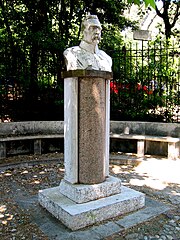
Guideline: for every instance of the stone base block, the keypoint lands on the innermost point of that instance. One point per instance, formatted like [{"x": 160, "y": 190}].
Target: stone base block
[
  {"x": 81, "y": 193},
  {"x": 76, "y": 216}
]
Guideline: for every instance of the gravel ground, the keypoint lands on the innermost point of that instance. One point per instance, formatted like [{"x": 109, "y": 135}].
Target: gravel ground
[{"x": 157, "y": 178}]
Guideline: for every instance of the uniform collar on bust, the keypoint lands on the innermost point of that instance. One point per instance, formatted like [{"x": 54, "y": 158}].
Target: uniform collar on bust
[{"x": 89, "y": 47}]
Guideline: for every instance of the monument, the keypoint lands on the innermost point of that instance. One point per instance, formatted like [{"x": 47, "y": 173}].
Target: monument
[{"x": 88, "y": 194}]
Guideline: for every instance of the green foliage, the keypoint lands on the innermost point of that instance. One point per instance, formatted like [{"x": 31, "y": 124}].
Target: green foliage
[
  {"x": 34, "y": 34},
  {"x": 34, "y": 28},
  {"x": 147, "y": 2},
  {"x": 168, "y": 11}
]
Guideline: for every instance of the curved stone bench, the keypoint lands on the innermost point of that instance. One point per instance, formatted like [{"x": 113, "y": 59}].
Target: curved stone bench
[
  {"x": 148, "y": 133},
  {"x": 144, "y": 133},
  {"x": 30, "y": 131}
]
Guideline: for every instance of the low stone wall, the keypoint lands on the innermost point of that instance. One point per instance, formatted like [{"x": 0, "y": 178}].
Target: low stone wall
[
  {"x": 143, "y": 128},
  {"x": 57, "y": 127},
  {"x": 31, "y": 128},
  {"x": 146, "y": 128}
]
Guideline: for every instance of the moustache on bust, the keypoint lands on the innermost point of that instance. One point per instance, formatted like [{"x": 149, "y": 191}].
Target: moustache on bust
[{"x": 96, "y": 37}]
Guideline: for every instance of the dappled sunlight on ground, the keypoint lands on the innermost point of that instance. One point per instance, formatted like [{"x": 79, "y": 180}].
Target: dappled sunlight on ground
[
  {"x": 154, "y": 173},
  {"x": 158, "y": 173},
  {"x": 158, "y": 179},
  {"x": 4, "y": 216}
]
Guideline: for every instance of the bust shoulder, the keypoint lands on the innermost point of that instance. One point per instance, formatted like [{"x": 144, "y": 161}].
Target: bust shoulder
[
  {"x": 74, "y": 58},
  {"x": 105, "y": 56},
  {"x": 72, "y": 50},
  {"x": 102, "y": 53}
]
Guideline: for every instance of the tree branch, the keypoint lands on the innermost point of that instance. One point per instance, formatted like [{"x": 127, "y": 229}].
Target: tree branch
[
  {"x": 177, "y": 14},
  {"x": 159, "y": 13}
]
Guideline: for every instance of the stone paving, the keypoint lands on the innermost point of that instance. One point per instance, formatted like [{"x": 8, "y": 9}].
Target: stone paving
[{"x": 21, "y": 216}]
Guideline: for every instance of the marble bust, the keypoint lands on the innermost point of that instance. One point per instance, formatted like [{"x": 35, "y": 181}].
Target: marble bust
[{"x": 87, "y": 55}]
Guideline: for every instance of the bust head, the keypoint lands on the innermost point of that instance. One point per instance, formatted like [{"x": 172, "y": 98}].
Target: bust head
[
  {"x": 87, "y": 55},
  {"x": 91, "y": 29}
]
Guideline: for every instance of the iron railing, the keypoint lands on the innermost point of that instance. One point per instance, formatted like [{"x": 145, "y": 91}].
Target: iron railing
[
  {"x": 145, "y": 86},
  {"x": 146, "y": 83}
]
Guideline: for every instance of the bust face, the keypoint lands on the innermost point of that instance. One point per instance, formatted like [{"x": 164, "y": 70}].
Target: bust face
[{"x": 92, "y": 31}]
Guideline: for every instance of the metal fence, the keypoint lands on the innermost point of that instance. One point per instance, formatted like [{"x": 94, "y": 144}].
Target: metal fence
[
  {"x": 30, "y": 90},
  {"x": 145, "y": 86}
]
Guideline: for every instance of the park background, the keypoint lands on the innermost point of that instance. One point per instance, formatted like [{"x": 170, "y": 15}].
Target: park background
[{"x": 34, "y": 34}]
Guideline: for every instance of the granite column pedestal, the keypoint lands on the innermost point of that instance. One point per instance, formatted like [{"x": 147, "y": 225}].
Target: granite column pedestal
[
  {"x": 86, "y": 126},
  {"x": 87, "y": 194}
]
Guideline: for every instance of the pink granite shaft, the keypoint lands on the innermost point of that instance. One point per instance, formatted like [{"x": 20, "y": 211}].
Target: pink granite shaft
[{"x": 92, "y": 122}]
